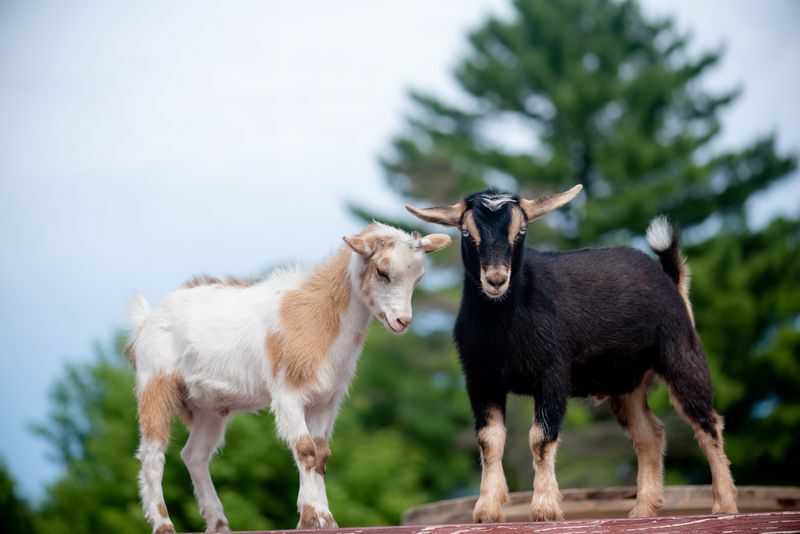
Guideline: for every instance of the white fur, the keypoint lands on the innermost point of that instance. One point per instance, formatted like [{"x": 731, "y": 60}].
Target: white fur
[
  {"x": 214, "y": 337},
  {"x": 659, "y": 234},
  {"x": 495, "y": 201}
]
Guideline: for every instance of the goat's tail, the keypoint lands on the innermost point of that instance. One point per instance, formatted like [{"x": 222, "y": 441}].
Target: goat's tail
[
  {"x": 664, "y": 240},
  {"x": 138, "y": 311}
]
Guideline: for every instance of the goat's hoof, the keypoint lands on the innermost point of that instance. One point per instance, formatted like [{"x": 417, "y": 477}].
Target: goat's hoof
[
  {"x": 220, "y": 525},
  {"x": 643, "y": 510},
  {"x": 310, "y": 518},
  {"x": 545, "y": 509},
  {"x": 488, "y": 511},
  {"x": 164, "y": 528},
  {"x": 725, "y": 507}
]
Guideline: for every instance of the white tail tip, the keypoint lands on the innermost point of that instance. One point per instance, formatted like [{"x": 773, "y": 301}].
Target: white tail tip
[
  {"x": 138, "y": 311},
  {"x": 659, "y": 234}
]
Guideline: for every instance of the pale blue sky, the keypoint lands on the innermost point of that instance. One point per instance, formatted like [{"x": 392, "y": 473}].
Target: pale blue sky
[{"x": 140, "y": 144}]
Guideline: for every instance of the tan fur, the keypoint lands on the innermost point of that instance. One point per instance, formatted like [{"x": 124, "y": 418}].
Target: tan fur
[
  {"x": 647, "y": 434},
  {"x": 546, "y": 495},
  {"x": 306, "y": 451},
  {"x": 162, "y": 510},
  {"x": 310, "y": 519},
  {"x": 130, "y": 352},
  {"x": 684, "y": 282},
  {"x": 384, "y": 262},
  {"x": 162, "y": 399},
  {"x": 722, "y": 487},
  {"x": 446, "y": 215},
  {"x": 517, "y": 222},
  {"x": 165, "y": 529},
  {"x": 436, "y": 242},
  {"x": 540, "y": 206},
  {"x": 323, "y": 453},
  {"x": 310, "y": 316},
  {"x": 207, "y": 280},
  {"x": 471, "y": 227},
  {"x": 221, "y": 524},
  {"x": 494, "y": 490}
]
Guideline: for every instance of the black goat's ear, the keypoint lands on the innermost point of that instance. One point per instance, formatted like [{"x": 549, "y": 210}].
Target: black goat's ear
[
  {"x": 444, "y": 215},
  {"x": 539, "y": 206}
]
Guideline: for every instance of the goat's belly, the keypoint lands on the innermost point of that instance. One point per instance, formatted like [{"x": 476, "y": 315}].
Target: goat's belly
[
  {"x": 226, "y": 386},
  {"x": 611, "y": 374}
]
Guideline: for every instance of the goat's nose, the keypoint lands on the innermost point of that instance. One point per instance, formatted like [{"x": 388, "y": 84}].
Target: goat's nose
[
  {"x": 404, "y": 321},
  {"x": 496, "y": 279}
]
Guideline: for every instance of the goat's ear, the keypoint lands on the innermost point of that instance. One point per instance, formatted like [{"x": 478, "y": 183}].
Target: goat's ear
[
  {"x": 444, "y": 215},
  {"x": 433, "y": 242},
  {"x": 539, "y": 206},
  {"x": 360, "y": 245}
]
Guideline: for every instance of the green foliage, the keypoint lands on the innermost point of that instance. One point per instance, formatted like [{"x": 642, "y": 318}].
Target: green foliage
[
  {"x": 15, "y": 513},
  {"x": 594, "y": 92}
]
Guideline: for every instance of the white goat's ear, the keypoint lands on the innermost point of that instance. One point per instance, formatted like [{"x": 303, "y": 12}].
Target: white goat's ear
[
  {"x": 444, "y": 215},
  {"x": 539, "y": 206},
  {"x": 433, "y": 242},
  {"x": 364, "y": 247}
]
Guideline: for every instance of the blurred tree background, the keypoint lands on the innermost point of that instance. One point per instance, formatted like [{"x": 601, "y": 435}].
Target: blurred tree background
[{"x": 576, "y": 91}]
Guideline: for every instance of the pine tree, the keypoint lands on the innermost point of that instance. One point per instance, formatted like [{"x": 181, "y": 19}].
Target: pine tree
[{"x": 597, "y": 93}]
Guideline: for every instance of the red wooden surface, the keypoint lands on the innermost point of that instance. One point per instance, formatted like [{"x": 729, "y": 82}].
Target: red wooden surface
[{"x": 754, "y": 522}]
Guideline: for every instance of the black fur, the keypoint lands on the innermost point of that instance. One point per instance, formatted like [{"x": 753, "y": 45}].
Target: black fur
[{"x": 577, "y": 323}]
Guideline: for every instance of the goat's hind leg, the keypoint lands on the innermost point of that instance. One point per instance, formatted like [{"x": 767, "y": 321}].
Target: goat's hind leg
[
  {"x": 159, "y": 400},
  {"x": 205, "y": 437},
  {"x": 691, "y": 393},
  {"x": 647, "y": 434}
]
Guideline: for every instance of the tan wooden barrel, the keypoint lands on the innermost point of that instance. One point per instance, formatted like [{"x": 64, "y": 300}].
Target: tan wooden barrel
[{"x": 589, "y": 503}]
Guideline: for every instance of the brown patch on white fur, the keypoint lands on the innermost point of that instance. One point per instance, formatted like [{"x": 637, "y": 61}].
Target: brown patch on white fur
[
  {"x": 162, "y": 510},
  {"x": 311, "y": 519},
  {"x": 471, "y": 227},
  {"x": 162, "y": 398},
  {"x": 323, "y": 453},
  {"x": 722, "y": 487},
  {"x": 165, "y": 529},
  {"x": 546, "y": 495},
  {"x": 518, "y": 222},
  {"x": 647, "y": 434},
  {"x": 306, "y": 451},
  {"x": 221, "y": 524},
  {"x": 311, "y": 316},
  {"x": 494, "y": 490},
  {"x": 207, "y": 280}
]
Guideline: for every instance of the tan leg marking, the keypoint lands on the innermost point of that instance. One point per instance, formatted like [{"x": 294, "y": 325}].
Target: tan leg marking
[
  {"x": 546, "y": 495},
  {"x": 311, "y": 519},
  {"x": 323, "y": 453},
  {"x": 494, "y": 490},
  {"x": 162, "y": 510},
  {"x": 306, "y": 452},
  {"x": 647, "y": 434},
  {"x": 162, "y": 399},
  {"x": 722, "y": 486},
  {"x": 221, "y": 525},
  {"x": 165, "y": 529}
]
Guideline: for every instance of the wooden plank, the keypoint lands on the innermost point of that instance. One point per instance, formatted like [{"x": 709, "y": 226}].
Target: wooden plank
[
  {"x": 755, "y": 522},
  {"x": 613, "y": 502}
]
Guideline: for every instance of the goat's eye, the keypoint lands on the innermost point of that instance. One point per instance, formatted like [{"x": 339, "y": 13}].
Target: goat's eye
[
  {"x": 522, "y": 231},
  {"x": 383, "y": 274},
  {"x": 465, "y": 232}
]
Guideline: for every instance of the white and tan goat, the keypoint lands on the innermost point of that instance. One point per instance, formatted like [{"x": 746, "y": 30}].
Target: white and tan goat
[{"x": 289, "y": 342}]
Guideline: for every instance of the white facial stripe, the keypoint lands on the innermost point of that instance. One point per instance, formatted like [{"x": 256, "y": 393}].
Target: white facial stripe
[{"x": 495, "y": 202}]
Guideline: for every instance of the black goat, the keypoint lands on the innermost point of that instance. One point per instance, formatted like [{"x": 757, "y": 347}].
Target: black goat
[{"x": 594, "y": 322}]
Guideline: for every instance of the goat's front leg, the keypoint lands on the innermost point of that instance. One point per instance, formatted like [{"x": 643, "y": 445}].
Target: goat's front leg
[
  {"x": 490, "y": 431},
  {"x": 549, "y": 414},
  {"x": 291, "y": 422}
]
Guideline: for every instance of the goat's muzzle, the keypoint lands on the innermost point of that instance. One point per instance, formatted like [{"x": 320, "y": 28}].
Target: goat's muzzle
[{"x": 495, "y": 281}]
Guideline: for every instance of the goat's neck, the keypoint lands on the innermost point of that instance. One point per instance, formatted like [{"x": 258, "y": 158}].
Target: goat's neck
[{"x": 356, "y": 318}]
